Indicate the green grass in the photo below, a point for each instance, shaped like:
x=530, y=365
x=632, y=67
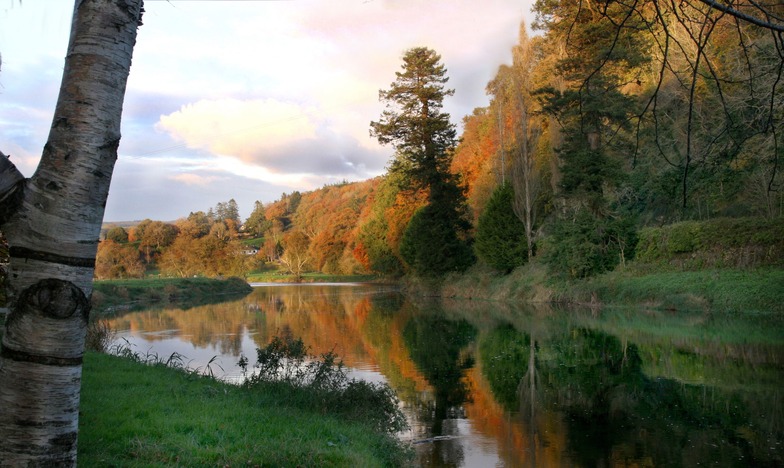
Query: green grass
x=114, y=295
x=758, y=291
x=138, y=415
x=253, y=242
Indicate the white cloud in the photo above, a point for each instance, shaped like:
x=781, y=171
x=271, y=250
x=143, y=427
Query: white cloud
x=279, y=138
x=190, y=178
x=256, y=97
x=240, y=128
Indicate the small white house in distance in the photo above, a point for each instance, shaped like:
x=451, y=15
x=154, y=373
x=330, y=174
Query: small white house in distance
x=250, y=250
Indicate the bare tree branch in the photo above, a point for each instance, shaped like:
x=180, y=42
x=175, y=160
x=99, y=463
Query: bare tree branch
x=746, y=17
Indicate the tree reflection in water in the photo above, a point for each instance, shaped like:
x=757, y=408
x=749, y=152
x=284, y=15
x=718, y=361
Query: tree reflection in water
x=437, y=346
x=613, y=414
x=521, y=386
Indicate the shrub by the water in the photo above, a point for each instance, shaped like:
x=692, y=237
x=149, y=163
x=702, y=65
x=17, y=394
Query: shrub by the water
x=723, y=242
x=323, y=384
x=100, y=335
x=585, y=245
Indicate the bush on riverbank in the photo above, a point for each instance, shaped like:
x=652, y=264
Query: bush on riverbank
x=717, y=243
x=134, y=414
x=322, y=385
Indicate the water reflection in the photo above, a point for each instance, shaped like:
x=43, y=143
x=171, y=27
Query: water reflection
x=437, y=346
x=491, y=385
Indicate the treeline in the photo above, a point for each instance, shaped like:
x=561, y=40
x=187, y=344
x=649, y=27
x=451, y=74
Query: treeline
x=621, y=116
x=616, y=118
x=299, y=232
x=203, y=244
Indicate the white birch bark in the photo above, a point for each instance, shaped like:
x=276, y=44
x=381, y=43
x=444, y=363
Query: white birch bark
x=525, y=178
x=52, y=223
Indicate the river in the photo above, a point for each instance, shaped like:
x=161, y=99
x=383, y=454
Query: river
x=485, y=384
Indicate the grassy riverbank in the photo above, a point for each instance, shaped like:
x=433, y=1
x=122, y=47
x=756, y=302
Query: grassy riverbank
x=116, y=295
x=729, y=264
x=283, y=277
x=134, y=414
x=752, y=291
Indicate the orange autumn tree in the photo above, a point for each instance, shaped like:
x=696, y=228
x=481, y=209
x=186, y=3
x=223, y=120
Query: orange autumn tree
x=476, y=158
x=381, y=229
x=114, y=260
x=330, y=216
x=295, y=255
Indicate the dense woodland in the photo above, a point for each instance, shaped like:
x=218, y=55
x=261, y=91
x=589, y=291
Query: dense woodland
x=615, y=117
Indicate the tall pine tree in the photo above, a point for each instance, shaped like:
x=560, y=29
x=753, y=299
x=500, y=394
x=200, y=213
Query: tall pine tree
x=424, y=140
x=595, y=106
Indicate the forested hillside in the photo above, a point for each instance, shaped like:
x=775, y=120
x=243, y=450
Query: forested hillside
x=615, y=118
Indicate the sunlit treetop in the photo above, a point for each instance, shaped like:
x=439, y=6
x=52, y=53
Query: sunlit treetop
x=413, y=122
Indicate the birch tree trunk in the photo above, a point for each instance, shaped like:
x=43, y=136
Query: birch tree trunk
x=52, y=223
x=525, y=178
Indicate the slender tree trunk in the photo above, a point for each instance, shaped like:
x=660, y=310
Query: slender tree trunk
x=524, y=170
x=501, y=146
x=52, y=223
x=525, y=174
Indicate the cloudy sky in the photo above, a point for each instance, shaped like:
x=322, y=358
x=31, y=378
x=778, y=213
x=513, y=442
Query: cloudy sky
x=249, y=99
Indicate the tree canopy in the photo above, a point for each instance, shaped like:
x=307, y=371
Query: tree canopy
x=413, y=123
x=424, y=140
x=500, y=235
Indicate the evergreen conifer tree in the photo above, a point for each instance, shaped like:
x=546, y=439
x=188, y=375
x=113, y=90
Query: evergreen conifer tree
x=257, y=223
x=595, y=112
x=500, y=235
x=424, y=139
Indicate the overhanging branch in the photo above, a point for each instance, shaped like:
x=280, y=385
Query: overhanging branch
x=744, y=16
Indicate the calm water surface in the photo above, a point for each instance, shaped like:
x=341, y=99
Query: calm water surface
x=487, y=385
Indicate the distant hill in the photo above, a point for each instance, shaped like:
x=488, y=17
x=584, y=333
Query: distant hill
x=123, y=224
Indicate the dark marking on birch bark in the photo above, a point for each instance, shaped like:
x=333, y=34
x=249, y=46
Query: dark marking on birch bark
x=20, y=356
x=134, y=14
x=54, y=298
x=30, y=254
x=61, y=122
x=53, y=301
x=66, y=440
x=33, y=423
